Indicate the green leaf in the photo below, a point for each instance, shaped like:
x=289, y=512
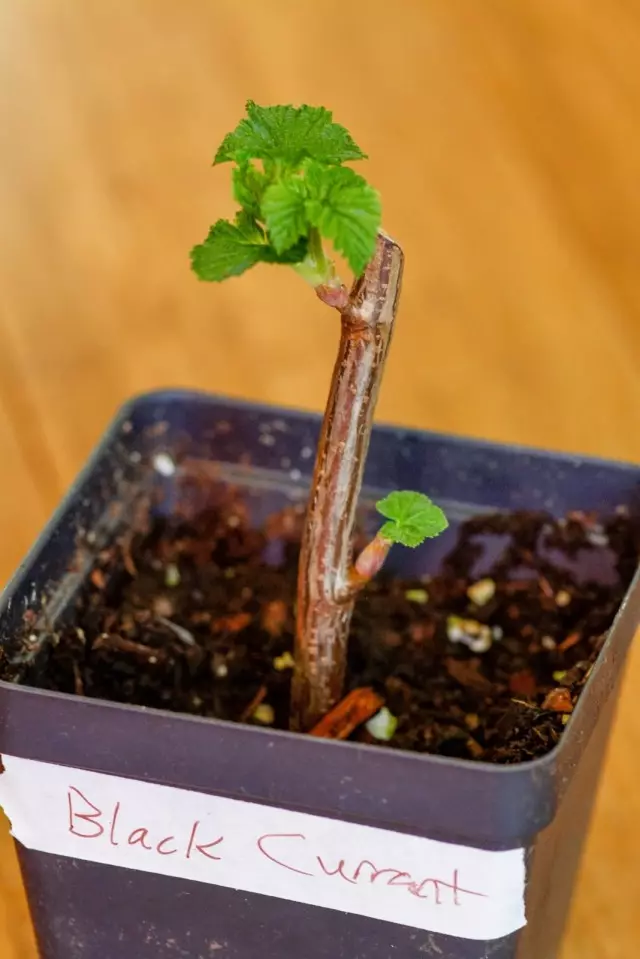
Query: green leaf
x=289, y=134
x=229, y=250
x=413, y=517
x=294, y=254
x=232, y=248
x=346, y=210
x=284, y=213
x=249, y=185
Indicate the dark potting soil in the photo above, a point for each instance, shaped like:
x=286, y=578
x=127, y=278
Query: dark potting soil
x=197, y=617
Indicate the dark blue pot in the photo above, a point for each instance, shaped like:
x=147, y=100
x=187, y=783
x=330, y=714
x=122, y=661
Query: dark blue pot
x=106, y=912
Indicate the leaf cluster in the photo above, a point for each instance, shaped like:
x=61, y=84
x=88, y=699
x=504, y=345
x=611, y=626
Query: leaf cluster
x=292, y=188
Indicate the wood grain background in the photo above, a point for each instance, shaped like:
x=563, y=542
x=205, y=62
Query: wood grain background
x=504, y=136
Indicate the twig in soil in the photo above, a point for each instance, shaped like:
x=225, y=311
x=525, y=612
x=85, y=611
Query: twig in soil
x=97, y=578
x=352, y=711
x=124, y=645
x=546, y=587
x=183, y=634
x=249, y=710
x=127, y=558
x=233, y=623
x=77, y=680
x=570, y=641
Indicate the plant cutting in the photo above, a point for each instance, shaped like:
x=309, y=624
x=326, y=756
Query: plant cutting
x=206, y=617
x=295, y=193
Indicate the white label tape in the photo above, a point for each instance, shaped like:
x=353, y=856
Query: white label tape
x=435, y=886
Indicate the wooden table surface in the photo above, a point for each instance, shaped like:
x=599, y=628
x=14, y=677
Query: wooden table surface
x=505, y=139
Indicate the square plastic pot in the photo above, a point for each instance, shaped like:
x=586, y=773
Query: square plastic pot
x=96, y=911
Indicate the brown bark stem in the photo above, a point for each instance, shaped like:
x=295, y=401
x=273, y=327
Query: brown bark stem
x=326, y=591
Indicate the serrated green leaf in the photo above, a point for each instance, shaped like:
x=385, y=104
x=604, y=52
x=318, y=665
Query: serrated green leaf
x=413, y=517
x=232, y=248
x=289, y=134
x=229, y=250
x=249, y=185
x=345, y=209
x=284, y=214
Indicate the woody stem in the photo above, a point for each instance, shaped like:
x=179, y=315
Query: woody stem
x=326, y=585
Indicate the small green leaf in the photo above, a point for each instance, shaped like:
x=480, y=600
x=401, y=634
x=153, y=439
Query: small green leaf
x=232, y=248
x=346, y=210
x=249, y=185
x=413, y=517
x=283, y=212
x=229, y=250
x=288, y=134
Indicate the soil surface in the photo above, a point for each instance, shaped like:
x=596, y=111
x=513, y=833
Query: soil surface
x=197, y=617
